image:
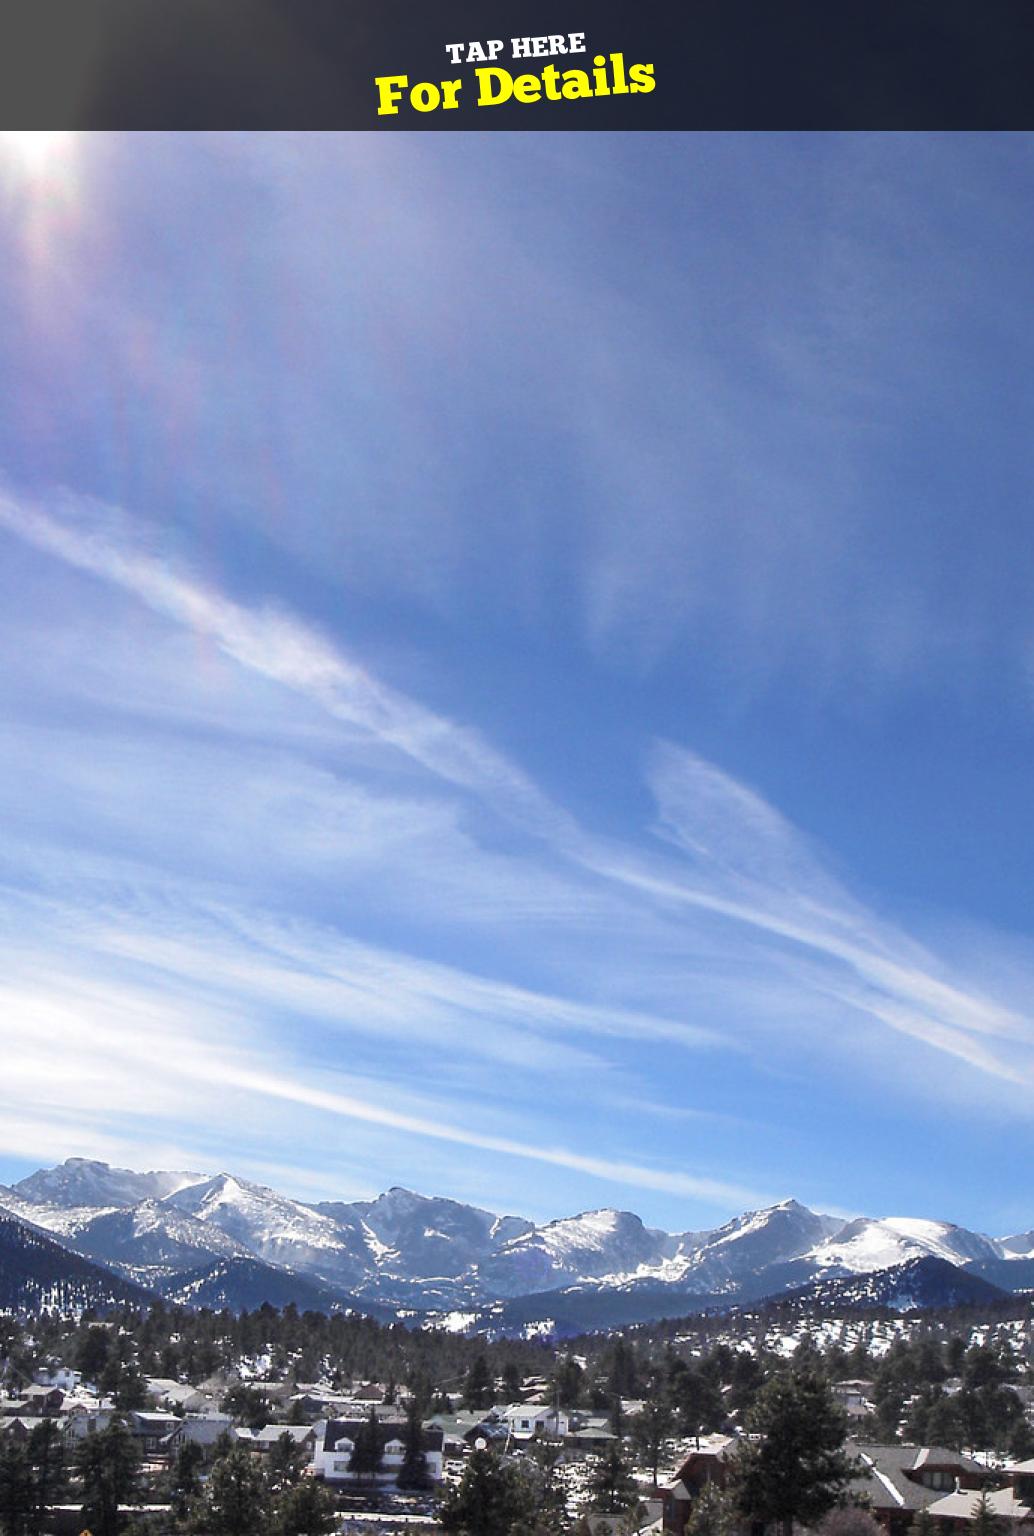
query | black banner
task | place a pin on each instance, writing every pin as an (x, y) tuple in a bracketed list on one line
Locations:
[(569, 64)]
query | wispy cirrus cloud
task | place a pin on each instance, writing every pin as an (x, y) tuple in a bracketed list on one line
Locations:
[(723, 933), (83, 1048), (270, 642), (753, 868)]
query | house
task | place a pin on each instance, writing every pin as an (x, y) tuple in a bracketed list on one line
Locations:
[(707, 1461), (178, 1396), (274, 1391), (152, 1431), (333, 1452), (84, 1419), (370, 1392), (61, 1376), (527, 1422), (202, 1429), (1014, 1503), (645, 1516), (462, 1430), (187, 1399), (320, 1402), (899, 1480), (219, 1383), (85, 1416), (591, 1437), (15, 1430), (303, 1436), (42, 1401), (959, 1508)]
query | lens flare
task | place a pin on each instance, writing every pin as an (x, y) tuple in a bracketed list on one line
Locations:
[(31, 151)]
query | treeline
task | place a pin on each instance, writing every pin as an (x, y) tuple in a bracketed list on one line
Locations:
[(932, 1386), (191, 1346), (789, 1314)]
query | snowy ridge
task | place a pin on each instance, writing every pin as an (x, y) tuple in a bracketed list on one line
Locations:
[(274, 1228), (864, 1245), (1019, 1247), (420, 1252), (86, 1183)]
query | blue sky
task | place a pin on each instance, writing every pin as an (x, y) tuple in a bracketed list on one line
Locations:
[(519, 666)]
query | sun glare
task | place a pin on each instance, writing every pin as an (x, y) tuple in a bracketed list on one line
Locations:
[(31, 151)]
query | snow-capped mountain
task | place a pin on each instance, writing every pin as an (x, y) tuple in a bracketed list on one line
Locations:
[(748, 1245), (862, 1246), (276, 1229), (84, 1183), (149, 1240), (199, 1234), (421, 1235), (592, 1246), (1019, 1247)]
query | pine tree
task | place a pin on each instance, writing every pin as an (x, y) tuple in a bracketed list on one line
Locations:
[(108, 1463), (129, 1390), (513, 1381), (551, 1518), (248, 1405), (697, 1397), (284, 1463), (413, 1473), (612, 1485), (624, 1376), (367, 1449), (92, 1353), (651, 1427), (944, 1424), (984, 1521), (306, 1509), (491, 1499), (1021, 1441), (185, 1483), (47, 1458), (16, 1489), (477, 1388), (712, 1513), (799, 1468), (567, 1380), (235, 1497)]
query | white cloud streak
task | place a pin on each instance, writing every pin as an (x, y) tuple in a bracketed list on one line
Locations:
[(292, 654), (80, 1049), (751, 873)]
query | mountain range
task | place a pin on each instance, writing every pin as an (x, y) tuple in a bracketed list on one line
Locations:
[(224, 1241)]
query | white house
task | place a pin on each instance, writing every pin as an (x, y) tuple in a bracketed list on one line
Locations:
[(333, 1451), (526, 1421)]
